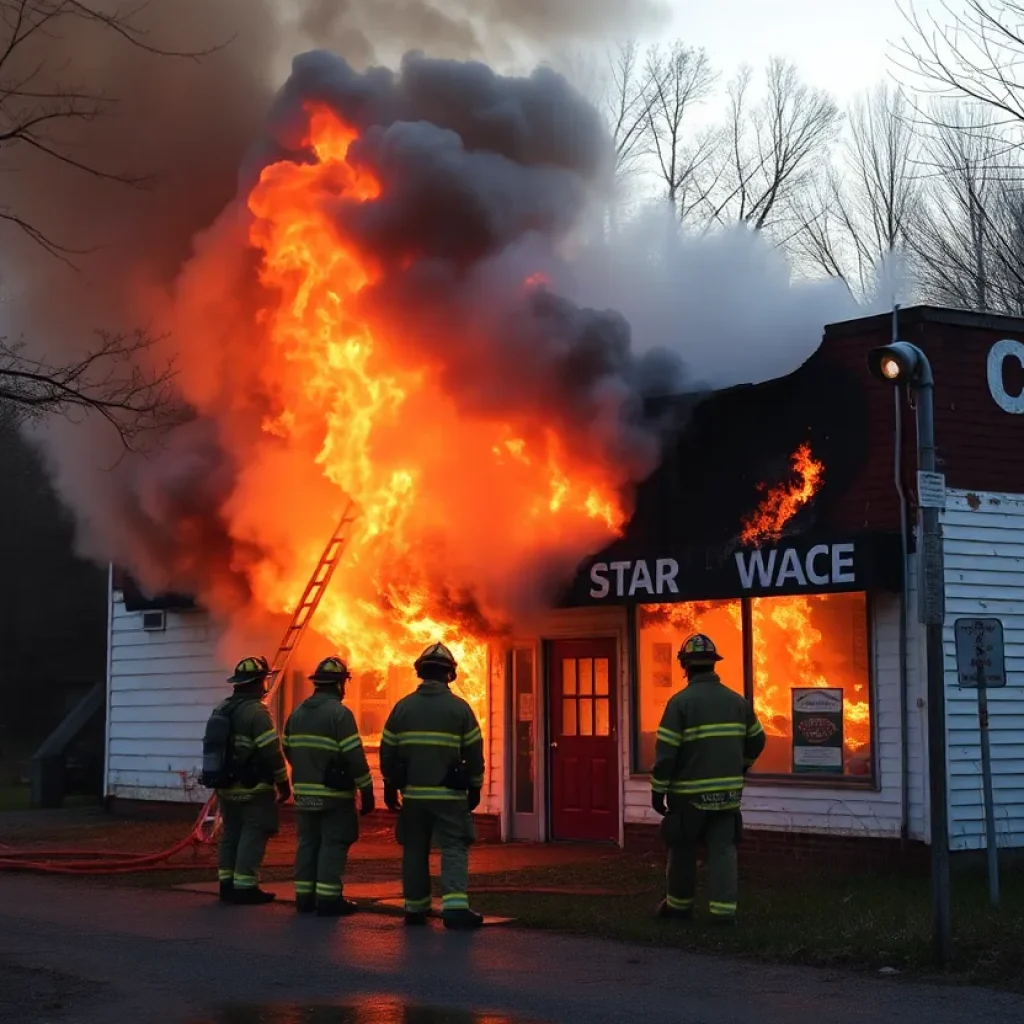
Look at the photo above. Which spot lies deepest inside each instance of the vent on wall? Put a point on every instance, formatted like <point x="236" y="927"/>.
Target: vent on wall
<point x="154" y="621"/>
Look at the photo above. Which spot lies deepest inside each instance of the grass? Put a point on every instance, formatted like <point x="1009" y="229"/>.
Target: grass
<point x="864" y="923"/>
<point x="19" y="798"/>
<point x="14" y="798"/>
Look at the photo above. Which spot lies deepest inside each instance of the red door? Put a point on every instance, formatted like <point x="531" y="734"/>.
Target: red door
<point x="585" y="773"/>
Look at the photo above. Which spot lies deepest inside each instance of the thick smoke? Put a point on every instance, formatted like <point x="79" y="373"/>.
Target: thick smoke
<point x="486" y="181"/>
<point x="482" y="178"/>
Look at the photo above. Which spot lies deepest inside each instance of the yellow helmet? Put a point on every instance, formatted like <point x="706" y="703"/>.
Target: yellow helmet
<point x="330" y="670"/>
<point x="698" y="649"/>
<point x="250" y="670"/>
<point x="437" y="654"/>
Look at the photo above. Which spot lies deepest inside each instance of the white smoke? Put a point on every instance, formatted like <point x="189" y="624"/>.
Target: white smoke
<point x="727" y="302"/>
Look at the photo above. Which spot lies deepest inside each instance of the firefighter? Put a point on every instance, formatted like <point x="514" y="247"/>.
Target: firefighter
<point x="255" y="766"/>
<point x="708" y="737"/>
<point x="328" y="762"/>
<point x="432" y="753"/>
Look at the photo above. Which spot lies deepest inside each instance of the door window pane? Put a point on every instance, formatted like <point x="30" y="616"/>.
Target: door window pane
<point x="601" y="677"/>
<point x="662" y="629"/>
<point x="602" y="723"/>
<point x="586" y="671"/>
<point x="569" y="716"/>
<point x="586" y="716"/>
<point x="568" y="675"/>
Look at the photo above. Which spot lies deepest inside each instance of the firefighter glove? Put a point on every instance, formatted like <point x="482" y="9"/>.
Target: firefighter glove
<point x="391" y="798"/>
<point x="284" y="791"/>
<point x="474" y="799"/>
<point x="366" y="800"/>
<point x="658" y="802"/>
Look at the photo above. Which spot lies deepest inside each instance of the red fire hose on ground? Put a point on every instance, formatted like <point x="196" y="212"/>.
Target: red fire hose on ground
<point x="104" y="862"/>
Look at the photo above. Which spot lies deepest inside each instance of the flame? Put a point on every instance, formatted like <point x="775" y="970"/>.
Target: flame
<point x="783" y="502"/>
<point x="443" y="496"/>
<point x="788" y="651"/>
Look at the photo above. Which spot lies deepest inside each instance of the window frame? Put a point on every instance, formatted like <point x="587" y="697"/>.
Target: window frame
<point x="803" y="780"/>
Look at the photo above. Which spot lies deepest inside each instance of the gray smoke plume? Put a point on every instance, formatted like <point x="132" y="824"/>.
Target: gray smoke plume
<point x="485" y="182"/>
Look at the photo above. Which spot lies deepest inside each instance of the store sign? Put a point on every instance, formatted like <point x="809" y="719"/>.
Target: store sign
<point x="818" y="730"/>
<point x="997" y="356"/>
<point x="823" y="565"/>
<point x="787" y="569"/>
<point x="632" y="578"/>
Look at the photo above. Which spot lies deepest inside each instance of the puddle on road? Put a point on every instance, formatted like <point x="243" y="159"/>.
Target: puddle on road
<point x="370" y="1010"/>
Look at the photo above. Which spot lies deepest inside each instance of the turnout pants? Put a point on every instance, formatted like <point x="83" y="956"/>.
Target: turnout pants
<point x="322" y="852"/>
<point x="719" y="830"/>
<point x="449" y="825"/>
<point x="247" y="825"/>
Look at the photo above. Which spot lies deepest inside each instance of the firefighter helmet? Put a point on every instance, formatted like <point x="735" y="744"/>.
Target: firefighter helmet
<point x="331" y="670"/>
<point x="698" y="649"/>
<point x="250" y="670"/>
<point x="437" y="654"/>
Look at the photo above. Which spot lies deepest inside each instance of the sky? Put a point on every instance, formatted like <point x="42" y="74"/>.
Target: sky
<point x="844" y="50"/>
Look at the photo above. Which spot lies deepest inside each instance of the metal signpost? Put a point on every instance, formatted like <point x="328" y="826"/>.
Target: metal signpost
<point x="981" y="663"/>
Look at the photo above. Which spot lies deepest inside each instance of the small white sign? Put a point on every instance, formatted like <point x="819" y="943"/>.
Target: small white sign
<point x="827" y="699"/>
<point x="931" y="490"/>
<point x="979" y="646"/>
<point x="818" y="757"/>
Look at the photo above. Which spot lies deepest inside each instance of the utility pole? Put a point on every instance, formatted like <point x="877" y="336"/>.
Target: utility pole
<point x="901" y="363"/>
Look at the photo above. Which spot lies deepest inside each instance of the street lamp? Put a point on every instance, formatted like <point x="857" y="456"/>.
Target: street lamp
<point x="903" y="364"/>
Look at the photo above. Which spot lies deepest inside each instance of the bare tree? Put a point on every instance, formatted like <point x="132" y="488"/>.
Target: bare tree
<point x="109" y="378"/>
<point x="973" y="53"/>
<point x="675" y="82"/>
<point x="968" y="234"/>
<point x="626" y="104"/>
<point x="772" y="146"/>
<point x="862" y="206"/>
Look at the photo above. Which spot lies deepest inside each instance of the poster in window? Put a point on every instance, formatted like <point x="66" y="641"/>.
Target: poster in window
<point x="818" y="730"/>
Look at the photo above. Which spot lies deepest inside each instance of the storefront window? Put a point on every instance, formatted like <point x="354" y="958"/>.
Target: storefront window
<point x="809" y="660"/>
<point x="662" y="628"/>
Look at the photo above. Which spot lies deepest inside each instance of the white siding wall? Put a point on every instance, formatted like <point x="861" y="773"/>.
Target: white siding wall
<point x="984" y="575"/>
<point x="163" y="686"/>
<point x="845" y="811"/>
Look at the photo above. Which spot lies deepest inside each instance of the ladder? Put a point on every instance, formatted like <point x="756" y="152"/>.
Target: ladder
<point x="304" y="611"/>
<point x="309" y="601"/>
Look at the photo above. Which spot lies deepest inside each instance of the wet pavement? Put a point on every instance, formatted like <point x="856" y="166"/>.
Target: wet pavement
<point x="370" y="1010"/>
<point x="84" y="953"/>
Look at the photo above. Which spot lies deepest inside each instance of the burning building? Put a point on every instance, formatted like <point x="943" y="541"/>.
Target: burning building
<point x="772" y="524"/>
<point x="386" y="315"/>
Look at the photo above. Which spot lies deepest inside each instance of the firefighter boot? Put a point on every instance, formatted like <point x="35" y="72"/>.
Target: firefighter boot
<point x="668" y="913"/>
<point x="227" y="891"/>
<point x="305" y="904"/>
<point x="335" y="908"/>
<point x="413" y="918"/>
<point x="462" y="920"/>
<point x="252" y="897"/>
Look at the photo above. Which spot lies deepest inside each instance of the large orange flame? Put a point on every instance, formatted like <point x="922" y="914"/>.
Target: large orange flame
<point x="446" y="500"/>
<point x="783" y="502"/>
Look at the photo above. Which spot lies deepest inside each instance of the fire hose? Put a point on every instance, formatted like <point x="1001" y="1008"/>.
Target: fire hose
<point x="104" y="862"/>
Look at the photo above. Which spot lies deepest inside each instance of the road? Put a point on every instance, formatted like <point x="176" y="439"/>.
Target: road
<point x="82" y="952"/>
